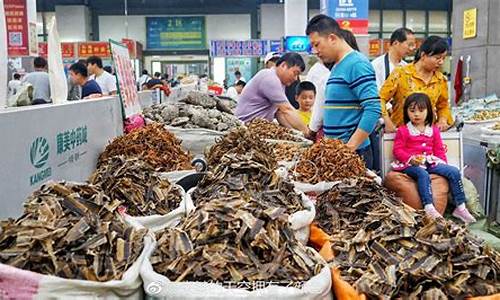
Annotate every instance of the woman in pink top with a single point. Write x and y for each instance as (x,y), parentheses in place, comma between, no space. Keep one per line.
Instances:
(419,151)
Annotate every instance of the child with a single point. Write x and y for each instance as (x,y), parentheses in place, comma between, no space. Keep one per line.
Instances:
(305,95)
(419,151)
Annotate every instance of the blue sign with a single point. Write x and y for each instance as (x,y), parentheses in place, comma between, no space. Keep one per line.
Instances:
(250,48)
(276,46)
(348,9)
(175,33)
(297,44)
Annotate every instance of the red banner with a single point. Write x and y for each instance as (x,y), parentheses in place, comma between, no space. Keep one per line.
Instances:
(130,44)
(87,49)
(375,48)
(16,21)
(356,26)
(67,49)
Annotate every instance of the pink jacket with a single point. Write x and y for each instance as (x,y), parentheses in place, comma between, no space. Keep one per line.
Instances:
(409,142)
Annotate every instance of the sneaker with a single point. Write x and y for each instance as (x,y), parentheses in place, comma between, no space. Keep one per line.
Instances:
(464,215)
(433,213)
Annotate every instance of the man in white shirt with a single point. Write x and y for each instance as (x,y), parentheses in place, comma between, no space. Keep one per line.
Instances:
(318,75)
(235,91)
(14,84)
(402,45)
(106,81)
(39,79)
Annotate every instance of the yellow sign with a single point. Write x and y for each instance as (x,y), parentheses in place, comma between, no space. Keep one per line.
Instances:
(470,23)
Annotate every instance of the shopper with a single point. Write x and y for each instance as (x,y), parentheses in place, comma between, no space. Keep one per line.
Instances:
(264,96)
(238,77)
(402,44)
(39,79)
(421,76)
(235,91)
(14,85)
(79,75)
(143,79)
(419,151)
(106,81)
(352,105)
(319,74)
(271,59)
(305,95)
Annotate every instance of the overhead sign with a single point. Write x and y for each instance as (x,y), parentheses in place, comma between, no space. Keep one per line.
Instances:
(16,21)
(276,46)
(176,33)
(250,48)
(68,49)
(375,47)
(88,49)
(470,23)
(58,150)
(350,14)
(125,77)
(297,44)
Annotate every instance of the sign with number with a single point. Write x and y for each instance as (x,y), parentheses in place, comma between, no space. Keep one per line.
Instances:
(125,77)
(470,23)
(250,48)
(16,22)
(350,14)
(175,33)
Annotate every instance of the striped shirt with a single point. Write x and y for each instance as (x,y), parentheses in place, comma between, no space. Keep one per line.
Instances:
(351,99)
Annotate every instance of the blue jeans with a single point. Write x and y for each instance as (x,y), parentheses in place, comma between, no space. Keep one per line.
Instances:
(423,179)
(367,155)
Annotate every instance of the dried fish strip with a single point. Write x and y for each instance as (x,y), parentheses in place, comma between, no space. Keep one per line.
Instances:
(386,249)
(241,141)
(68,230)
(329,160)
(234,240)
(152,143)
(273,131)
(287,151)
(136,184)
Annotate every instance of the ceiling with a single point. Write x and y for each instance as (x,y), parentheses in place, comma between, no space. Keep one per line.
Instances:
(141,7)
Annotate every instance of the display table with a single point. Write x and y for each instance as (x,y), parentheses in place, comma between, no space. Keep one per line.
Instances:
(52,142)
(483,178)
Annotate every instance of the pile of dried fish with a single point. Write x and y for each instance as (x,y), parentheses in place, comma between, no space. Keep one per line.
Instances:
(238,176)
(496,126)
(72,231)
(232,239)
(241,141)
(329,160)
(197,110)
(486,115)
(270,130)
(136,183)
(152,143)
(287,151)
(386,249)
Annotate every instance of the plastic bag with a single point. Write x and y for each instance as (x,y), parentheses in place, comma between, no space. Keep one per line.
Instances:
(473,204)
(23,97)
(196,140)
(134,122)
(21,284)
(158,222)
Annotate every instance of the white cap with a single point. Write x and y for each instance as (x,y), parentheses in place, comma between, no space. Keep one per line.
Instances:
(271,55)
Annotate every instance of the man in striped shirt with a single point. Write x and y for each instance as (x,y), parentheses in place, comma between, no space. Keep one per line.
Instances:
(352,104)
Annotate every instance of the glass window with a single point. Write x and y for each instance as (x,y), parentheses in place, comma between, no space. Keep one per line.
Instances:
(39,23)
(393,19)
(374,20)
(438,21)
(415,20)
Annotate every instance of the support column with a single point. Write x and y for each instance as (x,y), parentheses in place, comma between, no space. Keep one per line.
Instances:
(295,17)
(73,22)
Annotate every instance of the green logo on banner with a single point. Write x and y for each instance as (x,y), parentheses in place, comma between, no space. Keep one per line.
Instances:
(39,152)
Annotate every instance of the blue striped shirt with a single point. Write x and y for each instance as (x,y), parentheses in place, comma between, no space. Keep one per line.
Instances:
(351,99)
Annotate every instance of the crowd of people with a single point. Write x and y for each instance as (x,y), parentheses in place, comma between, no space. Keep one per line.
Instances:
(349,98)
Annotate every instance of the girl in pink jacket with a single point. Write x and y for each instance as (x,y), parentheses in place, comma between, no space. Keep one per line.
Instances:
(419,151)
